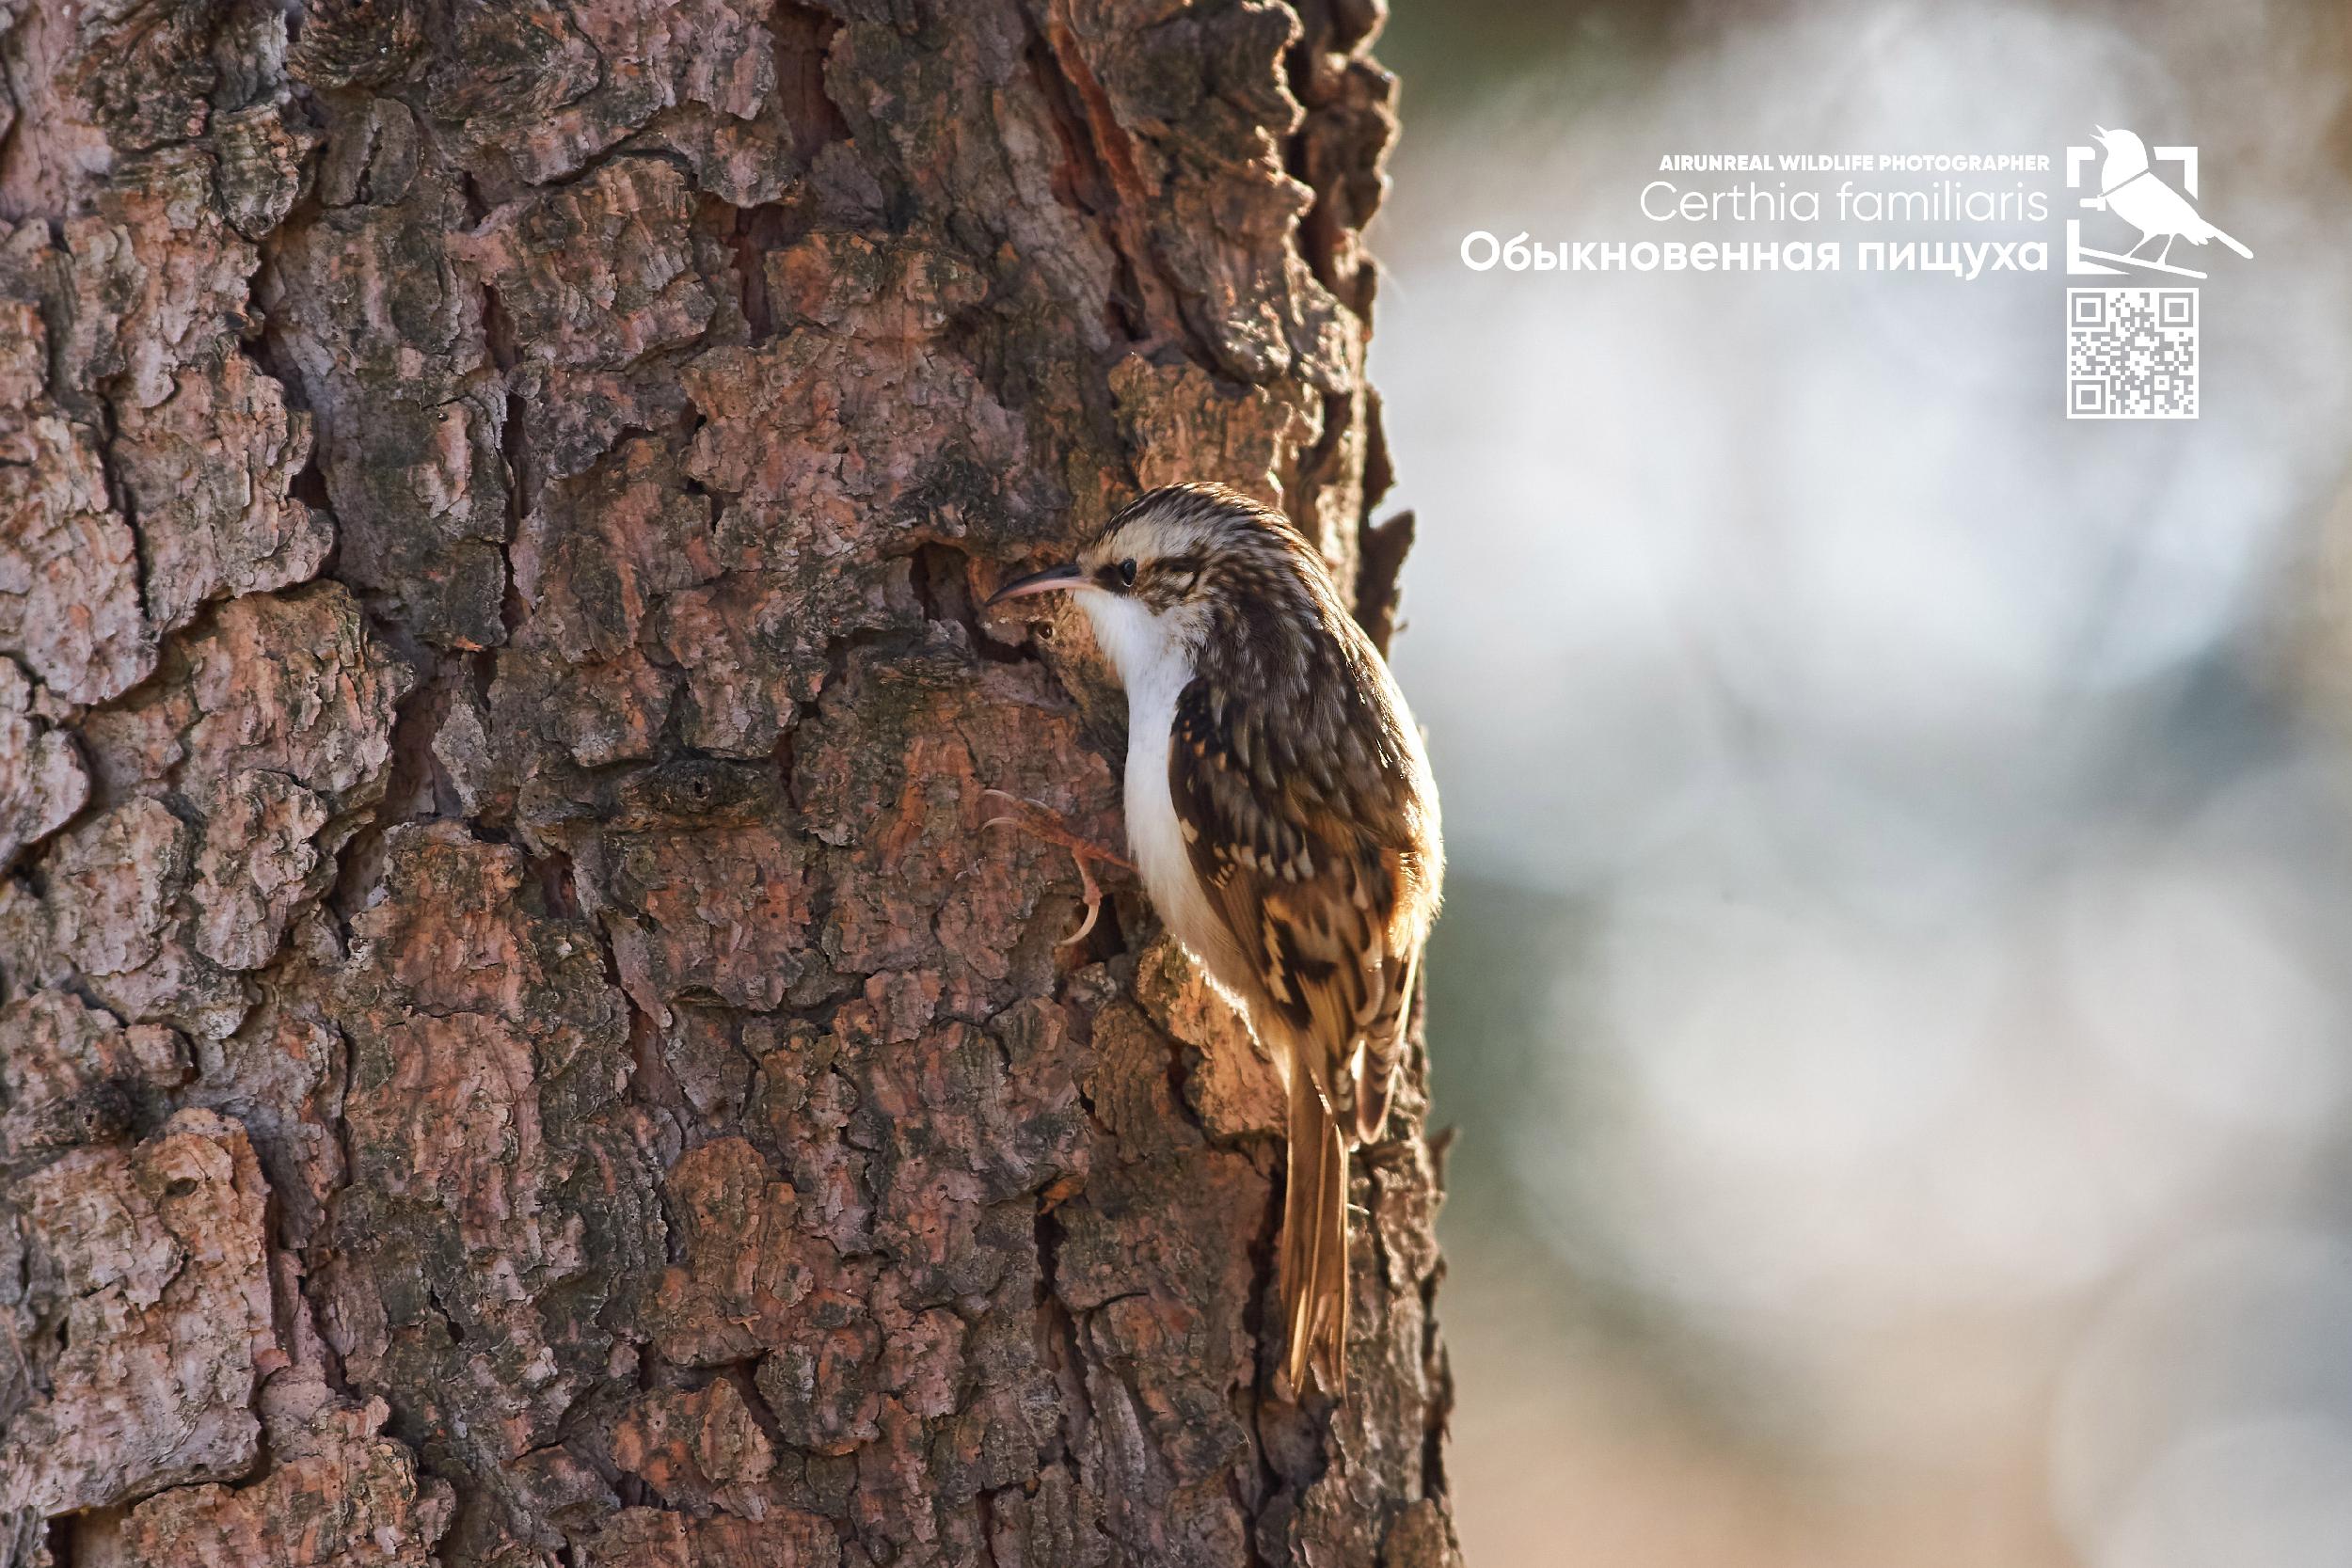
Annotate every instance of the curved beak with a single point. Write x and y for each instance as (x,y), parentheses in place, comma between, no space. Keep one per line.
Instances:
(1046,581)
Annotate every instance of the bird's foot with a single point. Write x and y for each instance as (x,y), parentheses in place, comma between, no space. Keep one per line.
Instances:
(1041,822)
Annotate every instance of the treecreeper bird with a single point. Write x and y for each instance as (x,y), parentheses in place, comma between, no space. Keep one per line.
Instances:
(1282,820)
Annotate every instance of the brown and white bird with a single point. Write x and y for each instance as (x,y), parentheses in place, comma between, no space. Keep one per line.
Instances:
(1282,820)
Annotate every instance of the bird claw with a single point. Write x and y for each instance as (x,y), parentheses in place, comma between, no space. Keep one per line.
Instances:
(1042,822)
(1093,892)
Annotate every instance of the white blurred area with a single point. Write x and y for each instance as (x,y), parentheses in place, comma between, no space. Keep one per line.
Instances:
(1898,987)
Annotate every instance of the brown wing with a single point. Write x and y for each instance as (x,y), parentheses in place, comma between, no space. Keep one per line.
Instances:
(1310,892)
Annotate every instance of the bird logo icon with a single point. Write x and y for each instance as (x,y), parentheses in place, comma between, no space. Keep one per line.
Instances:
(2130,188)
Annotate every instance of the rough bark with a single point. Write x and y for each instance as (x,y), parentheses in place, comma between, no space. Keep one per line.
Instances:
(517,1049)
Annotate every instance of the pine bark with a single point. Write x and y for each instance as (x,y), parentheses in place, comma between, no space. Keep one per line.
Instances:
(517,1048)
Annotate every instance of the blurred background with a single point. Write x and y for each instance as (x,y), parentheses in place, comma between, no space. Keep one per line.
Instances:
(1894,994)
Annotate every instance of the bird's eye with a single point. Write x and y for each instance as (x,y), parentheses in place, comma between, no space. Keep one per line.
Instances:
(1127,572)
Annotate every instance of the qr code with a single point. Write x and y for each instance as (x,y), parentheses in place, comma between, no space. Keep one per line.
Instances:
(2131,353)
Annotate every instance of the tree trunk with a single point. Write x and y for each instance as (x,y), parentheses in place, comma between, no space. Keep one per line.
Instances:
(518,1049)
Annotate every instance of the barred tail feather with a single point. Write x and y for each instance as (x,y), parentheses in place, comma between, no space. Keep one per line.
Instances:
(1314,1242)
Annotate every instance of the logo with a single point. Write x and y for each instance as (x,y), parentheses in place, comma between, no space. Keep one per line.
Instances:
(2131,351)
(2131,189)
(1968,216)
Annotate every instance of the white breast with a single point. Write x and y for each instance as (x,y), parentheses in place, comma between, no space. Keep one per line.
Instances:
(1156,669)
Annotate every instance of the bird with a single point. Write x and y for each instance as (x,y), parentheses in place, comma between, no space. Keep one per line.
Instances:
(2134,193)
(1282,820)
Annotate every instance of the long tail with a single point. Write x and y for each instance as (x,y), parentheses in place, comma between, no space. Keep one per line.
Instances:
(1314,1240)
(2230,241)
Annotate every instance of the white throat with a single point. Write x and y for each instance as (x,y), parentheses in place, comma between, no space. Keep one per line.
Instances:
(1152,654)
(1146,649)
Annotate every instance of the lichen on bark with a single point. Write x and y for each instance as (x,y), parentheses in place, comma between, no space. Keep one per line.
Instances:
(514,1045)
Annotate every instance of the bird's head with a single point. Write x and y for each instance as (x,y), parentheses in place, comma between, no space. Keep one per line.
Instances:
(2125,144)
(1176,566)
